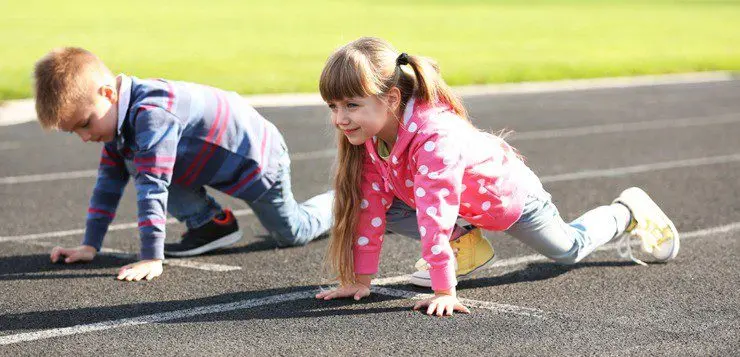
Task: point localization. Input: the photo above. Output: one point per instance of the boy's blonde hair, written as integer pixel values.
(368, 66)
(60, 84)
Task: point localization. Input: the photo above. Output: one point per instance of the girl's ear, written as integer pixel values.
(394, 98)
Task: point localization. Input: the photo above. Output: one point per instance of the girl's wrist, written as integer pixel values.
(363, 279)
(449, 292)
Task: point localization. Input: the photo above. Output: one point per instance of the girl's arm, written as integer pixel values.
(439, 169)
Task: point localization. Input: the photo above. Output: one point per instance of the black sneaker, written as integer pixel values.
(221, 231)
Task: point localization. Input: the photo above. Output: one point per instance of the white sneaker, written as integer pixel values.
(657, 233)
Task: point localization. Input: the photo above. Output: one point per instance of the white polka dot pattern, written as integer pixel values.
(429, 146)
(427, 179)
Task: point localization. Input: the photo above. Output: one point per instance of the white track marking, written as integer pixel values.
(10, 145)
(628, 170)
(112, 227)
(502, 308)
(22, 111)
(275, 299)
(176, 262)
(579, 175)
(241, 305)
(523, 136)
(158, 317)
(627, 127)
(48, 177)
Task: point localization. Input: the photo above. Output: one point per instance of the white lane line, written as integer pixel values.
(312, 155)
(112, 227)
(10, 145)
(628, 170)
(275, 299)
(48, 177)
(579, 175)
(627, 127)
(177, 262)
(502, 308)
(158, 317)
(241, 305)
(400, 279)
(523, 136)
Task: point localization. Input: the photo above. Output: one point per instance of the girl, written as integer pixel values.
(405, 141)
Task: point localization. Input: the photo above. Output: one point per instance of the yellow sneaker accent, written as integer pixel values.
(657, 233)
(472, 252)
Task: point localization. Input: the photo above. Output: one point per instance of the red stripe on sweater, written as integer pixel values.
(243, 182)
(107, 161)
(157, 170)
(204, 148)
(154, 160)
(212, 151)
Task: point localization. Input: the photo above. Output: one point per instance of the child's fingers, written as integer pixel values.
(431, 308)
(141, 275)
(332, 294)
(359, 294)
(152, 275)
(71, 257)
(449, 310)
(323, 294)
(55, 253)
(123, 272)
(462, 308)
(441, 309)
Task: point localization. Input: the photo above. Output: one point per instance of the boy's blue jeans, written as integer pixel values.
(540, 227)
(288, 222)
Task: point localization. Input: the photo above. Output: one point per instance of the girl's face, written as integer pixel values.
(361, 118)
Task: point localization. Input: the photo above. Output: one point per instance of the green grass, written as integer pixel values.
(280, 46)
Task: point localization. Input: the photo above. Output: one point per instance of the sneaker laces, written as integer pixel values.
(624, 244)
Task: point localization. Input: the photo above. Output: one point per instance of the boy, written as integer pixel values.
(173, 138)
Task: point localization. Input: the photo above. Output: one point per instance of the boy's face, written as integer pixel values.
(97, 119)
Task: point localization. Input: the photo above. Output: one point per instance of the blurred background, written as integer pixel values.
(280, 46)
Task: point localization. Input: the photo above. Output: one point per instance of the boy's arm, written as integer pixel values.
(157, 135)
(112, 179)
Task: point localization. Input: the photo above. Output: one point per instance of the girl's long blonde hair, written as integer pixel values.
(364, 67)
